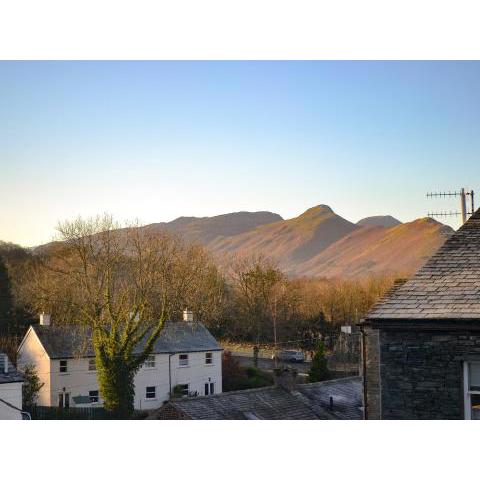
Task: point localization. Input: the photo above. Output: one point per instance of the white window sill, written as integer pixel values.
(151, 399)
(63, 373)
(183, 366)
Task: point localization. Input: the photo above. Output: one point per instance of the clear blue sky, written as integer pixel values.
(157, 140)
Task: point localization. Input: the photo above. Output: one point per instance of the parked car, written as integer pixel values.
(289, 356)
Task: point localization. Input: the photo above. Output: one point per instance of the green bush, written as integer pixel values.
(236, 377)
(319, 368)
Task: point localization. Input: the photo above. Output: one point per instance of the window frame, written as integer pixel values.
(467, 393)
(97, 396)
(60, 366)
(147, 398)
(186, 360)
(148, 362)
(208, 356)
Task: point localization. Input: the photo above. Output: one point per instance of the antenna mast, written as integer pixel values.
(463, 194)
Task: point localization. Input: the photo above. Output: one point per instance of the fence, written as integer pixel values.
(72, 413)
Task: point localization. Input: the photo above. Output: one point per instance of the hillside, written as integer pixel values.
(207, 229)
(292, 241)
(321, 243)
(379, 221)
(373, 250)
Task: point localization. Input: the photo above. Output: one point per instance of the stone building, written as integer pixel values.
(421, 343)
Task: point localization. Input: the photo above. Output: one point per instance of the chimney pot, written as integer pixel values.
(44, 319)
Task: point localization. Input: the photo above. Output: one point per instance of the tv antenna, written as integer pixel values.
(463, 194)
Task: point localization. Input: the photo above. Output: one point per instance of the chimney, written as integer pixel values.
(45, 319)
(5, 363)
(285, 378)
(187, 315)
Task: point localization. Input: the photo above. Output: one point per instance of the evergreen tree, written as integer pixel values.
(31, 386)
(319, 369)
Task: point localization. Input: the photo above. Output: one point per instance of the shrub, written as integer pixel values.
(319, 369)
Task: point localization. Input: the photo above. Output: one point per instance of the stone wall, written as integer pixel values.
(372, 380)
(421, 373)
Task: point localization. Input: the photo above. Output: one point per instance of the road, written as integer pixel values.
(267, 364)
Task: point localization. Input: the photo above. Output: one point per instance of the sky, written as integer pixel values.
(157, 140)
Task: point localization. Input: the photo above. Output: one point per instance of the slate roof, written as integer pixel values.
(346, 395)
(73, 341)
(13, 375)
(306, 402)
(447, 287)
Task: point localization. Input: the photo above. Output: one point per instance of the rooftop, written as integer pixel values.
(13, 375)
(70, 341)
(447, 287)
(305, 402)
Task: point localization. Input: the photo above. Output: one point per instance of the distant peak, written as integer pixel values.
(317, 210)
(386, 221)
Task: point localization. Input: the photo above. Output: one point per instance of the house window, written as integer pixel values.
(183, 362)
(150, 362)
(93, 394)
(63, 366)
(151, 393)
(471, 378)
(91, 364)
(209, 388)
(183, 389)
(208, 358)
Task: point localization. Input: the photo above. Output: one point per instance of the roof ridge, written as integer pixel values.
(223, 394)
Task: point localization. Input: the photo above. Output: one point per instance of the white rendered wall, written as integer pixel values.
(32, 352)
(11, 393)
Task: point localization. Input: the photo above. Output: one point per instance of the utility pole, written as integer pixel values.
(463, 194)
(275, 331)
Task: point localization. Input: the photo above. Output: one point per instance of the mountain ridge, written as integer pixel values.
(318, 242)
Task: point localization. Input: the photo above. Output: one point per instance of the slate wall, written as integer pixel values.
(372, 392)
(421, 373)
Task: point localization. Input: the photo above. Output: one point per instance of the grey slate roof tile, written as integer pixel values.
(69, 341)
(307, 402)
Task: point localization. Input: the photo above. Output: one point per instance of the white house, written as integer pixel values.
(185, 356)
(10, 390)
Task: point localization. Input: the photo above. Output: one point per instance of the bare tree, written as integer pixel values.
(120, 285)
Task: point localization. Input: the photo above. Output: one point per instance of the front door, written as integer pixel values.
(64, 400)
